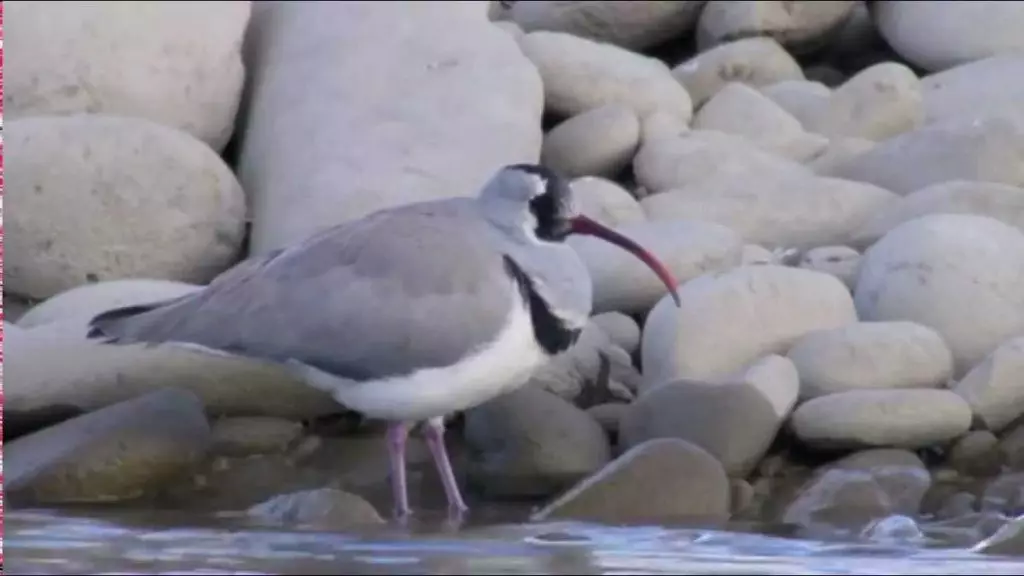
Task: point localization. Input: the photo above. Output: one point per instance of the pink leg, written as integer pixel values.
(396, 436)
(434, 435)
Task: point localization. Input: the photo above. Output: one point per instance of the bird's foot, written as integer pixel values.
(402, 516)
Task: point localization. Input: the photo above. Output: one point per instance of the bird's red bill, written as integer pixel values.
(589, 227)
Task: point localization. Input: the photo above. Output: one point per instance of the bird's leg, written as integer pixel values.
(397, 433)
(434, 434)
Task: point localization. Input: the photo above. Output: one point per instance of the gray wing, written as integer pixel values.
(418, 286)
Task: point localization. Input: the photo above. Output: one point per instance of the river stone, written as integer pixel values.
(90, 376)
(324, 508)
(734, 420)
(753, 61)
(862, 487)
(690, 158)
(803, 99)
(121, 452)
(91, 299)
(994, 388)
(246, 435)
(1011, 444)
(660, 124)
(976, 453)
(1007, 541)
(839, 152)
(632, 25)
(598, 142)
(688, 248)
(987, 146)
(107, 197)
(176, 63)
(606, 202)
(661, 480)
(988, 84)
(581, 74)
(754, 254)
(978, 30)
(326, 143)
(709, 335)
(901, 418)
(799, 26)
(871, 355)
(621, 329)
(842, 262)
(530, 442)
(876, 104)
(744, 111)
(962, 275)
(776, 207)
(1003, 202)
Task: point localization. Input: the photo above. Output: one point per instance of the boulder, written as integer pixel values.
(755, 62)
(176, 63)
(799, 26)
(993, 387)
(598, 142)
(110, 197)
(326, 143)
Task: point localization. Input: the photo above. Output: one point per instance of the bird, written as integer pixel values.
(408, 315)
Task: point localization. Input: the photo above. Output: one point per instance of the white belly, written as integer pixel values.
(499, 366)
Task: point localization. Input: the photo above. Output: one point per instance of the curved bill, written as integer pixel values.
(584, 225)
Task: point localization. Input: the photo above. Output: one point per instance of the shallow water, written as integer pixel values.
(44, 542)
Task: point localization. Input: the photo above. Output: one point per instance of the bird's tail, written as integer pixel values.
(126, 325)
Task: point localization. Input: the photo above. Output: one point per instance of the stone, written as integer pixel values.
(90, 376)
(1007, 541)
(734, 420)
(839, 151)
(659, 481)
(981, 85)
(123, 452)
(871, 355)
(741, 110)
(994, 388)
(688, 248)
(1012, 446)
(89, 300)
(87, 183)
(877, 103)
(825, 74)
(687, 159)
(842, 262)
(896, 529)
(580, 74)
(754, 254)
(775, 207)
(1003, 202)
(710, 335)
(976, 454)
(621, 329)
(755, 62)
(660, 124)
(799, 26)
(899, 418)
(803, 99)
(325, 508)
(15, 307)
(246, 435)
(174, 63)
(926, 270)
(606, 202)
(857, 44)
(608, 415)
(1004, 494)
(983, 29)
(631, 25)
(323, 143)
(598, 142)
(856, 490)
(532, 443)
(988, 146)
(570, 373)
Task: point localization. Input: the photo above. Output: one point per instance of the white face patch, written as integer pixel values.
(540, 185)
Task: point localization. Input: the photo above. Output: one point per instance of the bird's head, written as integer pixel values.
(542, 202)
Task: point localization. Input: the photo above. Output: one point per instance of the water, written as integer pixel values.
(44, 542)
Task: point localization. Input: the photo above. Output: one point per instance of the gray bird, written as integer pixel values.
(407, 315)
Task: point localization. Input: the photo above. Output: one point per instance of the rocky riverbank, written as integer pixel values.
(839, 188)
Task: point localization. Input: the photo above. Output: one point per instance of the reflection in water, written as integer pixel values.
(39, 542)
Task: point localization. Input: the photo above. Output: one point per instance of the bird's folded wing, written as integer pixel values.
(382, 296)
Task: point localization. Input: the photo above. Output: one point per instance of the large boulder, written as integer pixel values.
(176, 63)
(110, 197)
(450, 99)
(960, 274)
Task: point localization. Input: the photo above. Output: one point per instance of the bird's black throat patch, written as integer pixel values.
(551, 207)
(551, 333)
